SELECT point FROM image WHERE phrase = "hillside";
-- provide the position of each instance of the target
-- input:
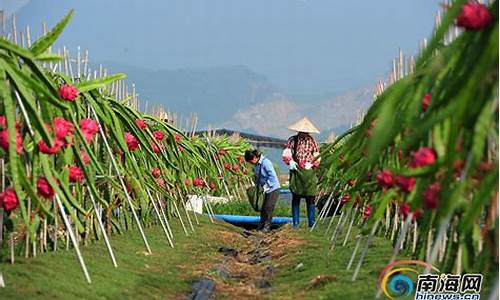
(239, 98)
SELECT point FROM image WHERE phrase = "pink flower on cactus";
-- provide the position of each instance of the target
(212, 185)
(227, 166)
(404, 209)
(156, 172)
(417, 213)
(8, 199)
(367, 212)
(85, 157)
(155, 148)
(406, 184)
(159, 135)
(68, 92)
(62, 127)
(423, 157)
(345, 198)
(160, 182)
(141, 123)
(89, 129)
(131, 141)
(177, 137)
(44, 148)
(44, 188)
(198, 182)
(187, 182)
(180, 148)
(474, 16)
(4, 141)
(426, 101)
(236, 168)
(76, 174)
(431, 195)
(385, 179)
(222, 152)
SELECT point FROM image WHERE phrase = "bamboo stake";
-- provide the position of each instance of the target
(14, 29)
(395, 221)
(337, 226)
(365, 250)
(124, 187)
(358, 241)
(185, 210)
(2, 22)
(101, 226)
(78, 62)
(334, 214)
(339, 229)
(180, 218)
(28, 36)
(11, 247)
(56, 229)
(73, 239)
(324, 211)
(350, 227)
(162, 209)
(160, 219)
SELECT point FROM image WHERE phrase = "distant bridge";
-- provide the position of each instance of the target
(256, 140)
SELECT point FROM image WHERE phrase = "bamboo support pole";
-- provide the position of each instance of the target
(180, 217)
(101, 226)
(353, 255)
(124, 187)
(162, 209)
(350, 227)
(365, 251)
(160, 219)
(333, 216)
(73, 239)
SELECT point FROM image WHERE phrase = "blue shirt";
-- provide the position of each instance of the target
(266, 174)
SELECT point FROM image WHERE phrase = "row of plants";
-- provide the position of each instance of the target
(77, 164)
(422, 166)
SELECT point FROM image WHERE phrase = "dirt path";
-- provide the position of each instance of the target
(250, 260)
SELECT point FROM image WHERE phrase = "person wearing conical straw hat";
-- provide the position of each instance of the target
(301, 154)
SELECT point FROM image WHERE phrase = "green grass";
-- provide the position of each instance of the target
(314, 255)
(167, 273)
(293, 284)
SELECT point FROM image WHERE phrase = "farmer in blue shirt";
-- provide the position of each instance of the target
(265, 177)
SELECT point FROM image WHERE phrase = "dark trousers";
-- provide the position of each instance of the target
(311, 209)
(266, 212)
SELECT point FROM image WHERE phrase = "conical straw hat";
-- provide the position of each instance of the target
(304, 125)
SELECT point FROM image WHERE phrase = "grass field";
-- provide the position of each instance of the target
(168, 273)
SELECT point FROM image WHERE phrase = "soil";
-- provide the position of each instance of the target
(247, 267)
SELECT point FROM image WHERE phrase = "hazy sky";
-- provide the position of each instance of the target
(302, 46)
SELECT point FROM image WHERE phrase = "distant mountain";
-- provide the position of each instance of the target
(333, 114)
(213, 93)
(235, 97)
